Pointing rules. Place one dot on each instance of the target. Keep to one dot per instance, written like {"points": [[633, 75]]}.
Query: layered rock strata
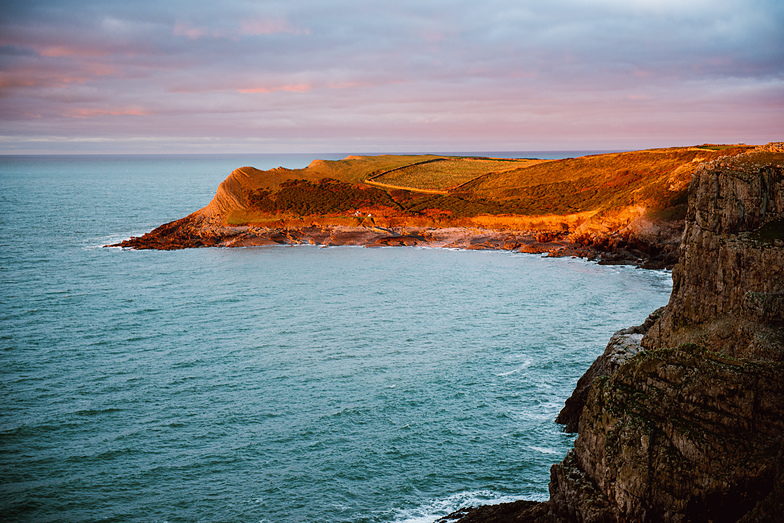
{"points": [[692, 427], [682, 434]]}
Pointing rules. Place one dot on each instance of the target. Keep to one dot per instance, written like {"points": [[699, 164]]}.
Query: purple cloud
{"points": [[348, 75]]}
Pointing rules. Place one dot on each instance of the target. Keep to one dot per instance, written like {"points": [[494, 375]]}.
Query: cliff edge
{"points": [[686, 422]]}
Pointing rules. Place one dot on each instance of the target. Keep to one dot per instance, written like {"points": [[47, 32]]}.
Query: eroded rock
{"points": [[728, 288]]}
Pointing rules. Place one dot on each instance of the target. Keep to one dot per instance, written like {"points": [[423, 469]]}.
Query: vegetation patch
{"points": [[445, 173], [327, 196], [712, 147], [452, 190]]}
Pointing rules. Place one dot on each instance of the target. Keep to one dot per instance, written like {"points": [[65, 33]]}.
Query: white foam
{"points": [[98, 242], [544, 450], [526, 364], [438, 508]]}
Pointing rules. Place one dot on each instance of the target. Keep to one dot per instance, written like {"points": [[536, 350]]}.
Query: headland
{"points": [[616, 208]]}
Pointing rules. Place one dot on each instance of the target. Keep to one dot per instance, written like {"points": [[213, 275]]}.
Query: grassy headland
{"points": [[627, 207], [460, 191]]}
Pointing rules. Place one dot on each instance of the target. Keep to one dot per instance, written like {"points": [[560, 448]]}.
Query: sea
{"points": [[274, 384]]}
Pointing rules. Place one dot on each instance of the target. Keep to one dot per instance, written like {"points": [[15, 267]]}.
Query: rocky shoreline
{"points": [[195, 231], [682, 418]]}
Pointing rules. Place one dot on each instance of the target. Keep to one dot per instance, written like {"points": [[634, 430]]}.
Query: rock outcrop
{"points": [[622, 346], [682, 434], [692, 427]]}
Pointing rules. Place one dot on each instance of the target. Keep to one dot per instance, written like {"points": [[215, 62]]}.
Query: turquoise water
{"points": [[279, 384]]}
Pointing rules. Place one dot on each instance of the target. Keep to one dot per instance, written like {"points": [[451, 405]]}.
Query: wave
{"points": [[98, 242], [438, 508], [545, 450], [525, 365]]}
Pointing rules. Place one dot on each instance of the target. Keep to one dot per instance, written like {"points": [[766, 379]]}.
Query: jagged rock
{"points": [[683, 434], [623, 345], [516, 512], [406, 240], [576, 497]]}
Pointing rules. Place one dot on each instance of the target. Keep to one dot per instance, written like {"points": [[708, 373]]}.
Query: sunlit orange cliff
{"points": [[619, 208]]}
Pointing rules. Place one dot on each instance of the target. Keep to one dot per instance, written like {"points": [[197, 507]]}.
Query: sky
{"points": [[270, 76]]}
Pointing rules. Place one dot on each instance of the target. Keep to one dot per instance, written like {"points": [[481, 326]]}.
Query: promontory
{"points": [[620, 208]]}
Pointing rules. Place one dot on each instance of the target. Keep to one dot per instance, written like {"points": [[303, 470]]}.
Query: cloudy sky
{"points": [[372, 76]]}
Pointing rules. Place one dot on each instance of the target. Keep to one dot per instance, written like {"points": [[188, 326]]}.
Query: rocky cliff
{"points": [[729, 285], [691, 427]]}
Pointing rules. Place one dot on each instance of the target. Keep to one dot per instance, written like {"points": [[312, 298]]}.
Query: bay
{"points": [[273, 384]]}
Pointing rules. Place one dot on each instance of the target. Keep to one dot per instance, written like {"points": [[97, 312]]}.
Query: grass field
{"points": [[446, 173], [456, 189]]}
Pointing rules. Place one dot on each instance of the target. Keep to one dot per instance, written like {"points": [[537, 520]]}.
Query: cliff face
{"points": [[729, 285], [676, 435], [686, 432]]}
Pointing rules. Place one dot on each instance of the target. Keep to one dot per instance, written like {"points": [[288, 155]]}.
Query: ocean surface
{"points": [[273, 384]]}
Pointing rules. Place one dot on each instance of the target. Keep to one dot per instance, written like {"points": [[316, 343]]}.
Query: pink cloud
{"points": [[295, 88], [24, 78], [347, 85], [8, 81], [58, 51], [251, 27], [91, 113], [302, 88], [100, 69], [192, 32]]}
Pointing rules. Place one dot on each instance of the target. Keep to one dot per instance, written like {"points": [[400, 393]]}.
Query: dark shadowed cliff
{"points": [[686, 423]]}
